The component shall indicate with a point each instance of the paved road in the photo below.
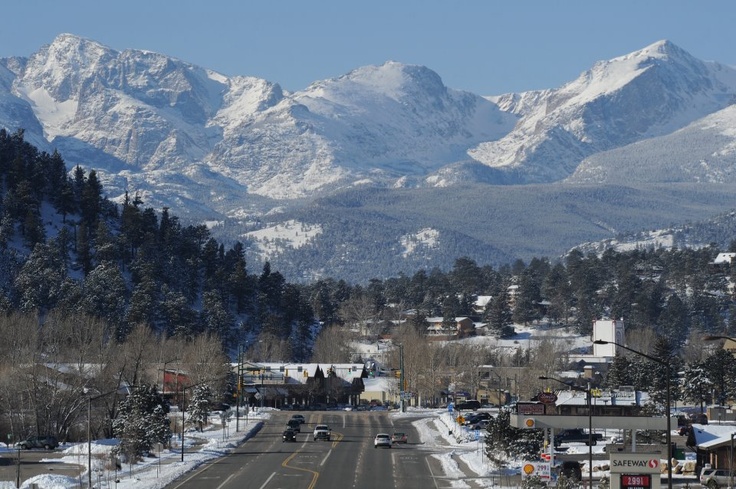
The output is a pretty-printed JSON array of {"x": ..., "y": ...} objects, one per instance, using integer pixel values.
[{"x": 349, "y": 460}]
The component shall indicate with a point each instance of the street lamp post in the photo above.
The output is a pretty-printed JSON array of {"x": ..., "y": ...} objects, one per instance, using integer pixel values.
[
  {"x": 668, "y": 436},
  {"x": 402, "y": 393},
  {"x": 730, "y": 463},
  {"x": 238, "y": 388},
  {"x": 590, "y": 422},
  {"x": 89, "y": 430}
]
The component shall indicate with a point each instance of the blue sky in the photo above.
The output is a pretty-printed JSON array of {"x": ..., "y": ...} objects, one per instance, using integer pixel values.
[{"x": 484, "y": 46}]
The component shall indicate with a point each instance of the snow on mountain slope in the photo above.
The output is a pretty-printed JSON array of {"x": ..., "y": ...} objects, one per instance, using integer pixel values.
[
  {"x": 644, "y": 94},
  {"x": 702, "y": 152},
  {"x": 138, "y": 112},
  {"x": 376, "y": 124},
  {"x": 209, "y": 145}
]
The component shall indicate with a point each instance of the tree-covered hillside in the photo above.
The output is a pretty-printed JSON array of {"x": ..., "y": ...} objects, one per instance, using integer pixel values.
[{"x": 64, "y": 247}]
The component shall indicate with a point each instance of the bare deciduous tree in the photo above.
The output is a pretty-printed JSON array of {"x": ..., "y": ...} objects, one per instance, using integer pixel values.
[{"x": 332, "y": 346}]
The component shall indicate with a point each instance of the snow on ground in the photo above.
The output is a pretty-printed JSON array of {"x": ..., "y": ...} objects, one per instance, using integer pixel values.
[
  {"x": 152, "y": 472},
  {"x": 459, "y": 452}
]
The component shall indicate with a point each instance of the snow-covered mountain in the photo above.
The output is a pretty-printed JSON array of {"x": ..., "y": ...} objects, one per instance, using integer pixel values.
[
  {"x": 640, "y": 96},
  {"x": 150, "y": 122},
  {"x": 239, "y": 148}
]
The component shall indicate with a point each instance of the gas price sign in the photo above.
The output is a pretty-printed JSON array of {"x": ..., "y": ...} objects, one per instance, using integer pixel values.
[{"x": 636, "y": 481}]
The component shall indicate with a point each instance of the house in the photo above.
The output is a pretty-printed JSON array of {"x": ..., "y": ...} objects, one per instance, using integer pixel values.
[
  {"x": 462, "y": 327},
  {"x": 481, "y": 302},
  {"x": 380, "y": 389},
  {"x": 713, "y": 444},
  {"x": 724, "y": 259}
]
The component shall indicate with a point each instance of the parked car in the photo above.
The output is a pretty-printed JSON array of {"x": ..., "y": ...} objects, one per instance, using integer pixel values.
[
  {"x": 399, "y": 437},
  {"x": 714, "y": 478},
  {"x": 47, "y": 442},
  {"x": 480, "y": 425},
  {"x": 382, "y": 440},
  {"x": 576, "y": 435},
  {"x": 475, "y": 418},
  {"x": 289, "y": 435},
  {"x": 469, "y": 405}
]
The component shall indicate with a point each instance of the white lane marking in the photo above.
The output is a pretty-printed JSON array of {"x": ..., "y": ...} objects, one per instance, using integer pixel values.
[{"x": 268, "y": 480}]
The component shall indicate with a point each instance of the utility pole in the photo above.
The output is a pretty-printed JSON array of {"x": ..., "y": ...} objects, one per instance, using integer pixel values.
[
  {"x": 238, "y": 388},
  {"x": 402, "y": 392}
]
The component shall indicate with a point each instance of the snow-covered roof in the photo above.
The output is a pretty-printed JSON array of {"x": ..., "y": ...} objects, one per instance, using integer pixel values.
[
  {"x": 300, "y": 372},
  {"x": 722, "y": 258},
  {"x": 712, "y": 435},
  {"x": 606, "y": 398},
  {"x": 380, "y": 384}
]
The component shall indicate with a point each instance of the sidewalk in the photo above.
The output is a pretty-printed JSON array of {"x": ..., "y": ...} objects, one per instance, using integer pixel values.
[{"x": 152, "y": 472}]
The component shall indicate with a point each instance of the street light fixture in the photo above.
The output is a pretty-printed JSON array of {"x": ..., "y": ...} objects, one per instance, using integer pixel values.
[
  {"x": 668, "y": 436},
  {"x": 590, "y": 422}
]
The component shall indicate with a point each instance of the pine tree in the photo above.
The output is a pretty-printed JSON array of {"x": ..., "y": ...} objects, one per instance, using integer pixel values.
[
  {"x": 720, "y": 369},
  {"x": 695, "y": 385},
  {"x": 526, "y": 308},
  {"x": 141, "y": 422},
  {"x": 199, "y": 406},
  {"x": 498, "y": 315},
  {"x": 40, "y": 279}
]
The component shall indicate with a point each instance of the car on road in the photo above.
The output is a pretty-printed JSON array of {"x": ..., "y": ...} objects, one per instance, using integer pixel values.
[
  {"x": 382, "y": 440},
  {"x": 295, "y": 425},
  {"x": 714, "y": 478},
  {"x": 322, "y": 432},
  {"x": 289, "y": 435},
  {"x": 47, "y": 442},
  {"x": 399, "y": 437},
  {"x": 300, "y": 418}
]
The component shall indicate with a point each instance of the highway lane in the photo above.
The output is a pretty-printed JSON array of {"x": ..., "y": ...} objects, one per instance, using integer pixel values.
[{"x": 349, "y": 460}]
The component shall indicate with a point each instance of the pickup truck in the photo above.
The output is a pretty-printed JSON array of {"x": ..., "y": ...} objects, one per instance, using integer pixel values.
[
  {"x": 322, "y": 432},
  {"x": 576, "y": 436}
]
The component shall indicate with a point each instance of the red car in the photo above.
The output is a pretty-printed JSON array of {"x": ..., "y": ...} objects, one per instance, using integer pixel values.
[{"x": 399, "y": 437}]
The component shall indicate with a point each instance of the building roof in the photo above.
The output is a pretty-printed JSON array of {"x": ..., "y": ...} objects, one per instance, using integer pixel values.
[
  {"x": 713, "y": 435},
  {"x": 602, "y": 397}
]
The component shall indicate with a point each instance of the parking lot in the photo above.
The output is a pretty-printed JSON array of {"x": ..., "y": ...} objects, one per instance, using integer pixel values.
[{"x": 23, "y": 464}]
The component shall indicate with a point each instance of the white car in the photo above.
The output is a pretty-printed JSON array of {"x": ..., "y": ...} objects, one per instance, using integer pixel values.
[
  {"x": 322, "y": 432},
  {"x": 382, "y": 440}
]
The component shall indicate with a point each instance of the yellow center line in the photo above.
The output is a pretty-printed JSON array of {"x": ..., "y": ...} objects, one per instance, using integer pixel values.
[
  {"x": 315, "y": 474},
  {"x": 339, "y": 437}
]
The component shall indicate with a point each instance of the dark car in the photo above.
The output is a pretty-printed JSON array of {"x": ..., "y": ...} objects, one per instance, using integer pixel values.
[
  {"x": 47, "y": 442},
  {"x": 289, "y": 435},
  {"x": 300, "y": 418},
  {"x": 295, "y": 425},
  {"x": 472, "y": 404}
]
